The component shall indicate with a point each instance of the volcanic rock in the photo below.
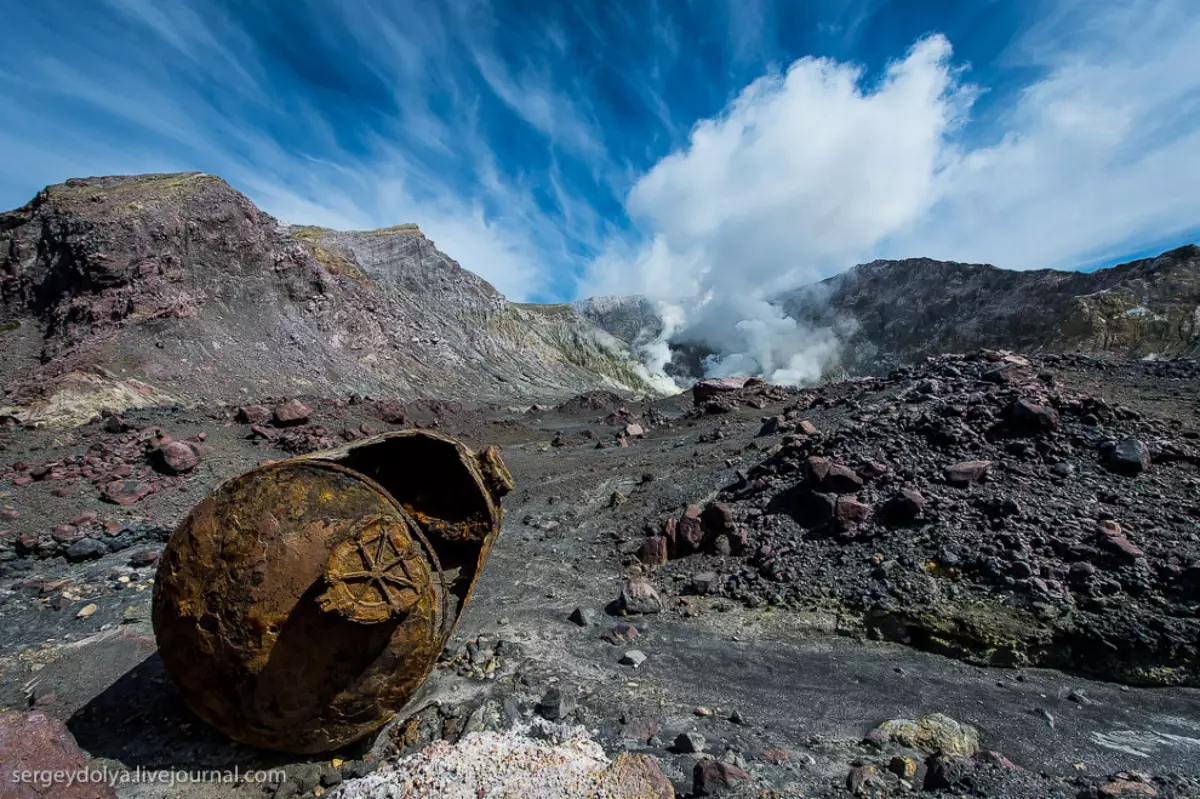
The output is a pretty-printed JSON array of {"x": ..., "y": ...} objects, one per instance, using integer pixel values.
[
  {"x": 33, "y": 743},
  {"x": 1027, "y": 417},
  {"x": 86, "y": 549},
  {"x": 125, "y": 492},
  {"x": 253, "y": 414},
  {"x": 555, "y": 705},
  {"x": 967, "y": 472},
  {"x": 905, "y": 507},
  {"x": 705, "y": 390},
  {"x": 176, "y": 457},
  {"x": 864, "y": 782},
  {"x": 653, "y": 551},
  {"x": 946, "y": 770},
  {"x": 638, "y": 596},
  {"x": 710, "y": 777},
  {"x": 584, "y": 617},
  {"x": 827, "y": 476},
  {"x": 848, "y": 511},
  {"x": 634, "y": 658},
  {"x": 689, "y": 531},
  {"x": 292, "y": 412},
  {"x": 1129, "y": 457},
  {"x": 932, "y": 733}
]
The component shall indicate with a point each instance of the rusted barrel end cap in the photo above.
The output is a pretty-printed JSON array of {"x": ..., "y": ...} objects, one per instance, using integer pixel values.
[{"x": 376, "y": 573}]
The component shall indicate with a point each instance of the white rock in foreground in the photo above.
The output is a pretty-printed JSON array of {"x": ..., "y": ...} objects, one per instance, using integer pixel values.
[{"x": 514, "y": 765}]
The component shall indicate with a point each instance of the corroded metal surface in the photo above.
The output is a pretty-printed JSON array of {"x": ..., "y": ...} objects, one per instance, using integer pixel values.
[
  {"x": 300, "y": 605},
  {"x": 376, "y": 573}
]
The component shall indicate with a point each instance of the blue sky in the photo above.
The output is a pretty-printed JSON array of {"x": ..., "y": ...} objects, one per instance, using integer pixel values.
[{"x": 679, "y": 149}]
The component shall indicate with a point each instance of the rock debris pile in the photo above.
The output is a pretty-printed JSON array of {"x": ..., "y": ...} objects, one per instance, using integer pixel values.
[{"x": 972, "y": 506}]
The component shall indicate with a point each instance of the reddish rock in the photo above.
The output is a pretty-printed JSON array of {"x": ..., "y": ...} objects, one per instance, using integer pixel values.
[
  {"x": 807, "y": 428},
  {"x": 633, "y": 430},
  {"x": 123, "y": 470},
  {"x": 946, "y": 770},
  {"x": 639, "y": 729},
  {"x": 710, "y": 777},
  {"x": 705, "y": 390},
  {"x": 65, "y": 534},
  {"x": 718, "y": 518},
  {"x": 995, "y": 758},
  {"x": 670, "y": 533},
  {"x": 125, "y": 492},
  {"x": 34, "y": 743},
  {"x": 1027, "y": 417},
  {"x": 84, "y": 518},
  {"x": 775, "y": 755},
  {"x": 904, "y": 508},
  {"x": 622, "y": 633},
  {"x": 689, "y": 531},
  {"x": 825, "y": 475},
  {"x": 639, "y": 596},
  {"x": 22, "y": 480},
  {"x": 1122, "y": 547},
  {"x": 61, "y": 491},
  {"x": 653, "y": 551},
  {"x": 389, "y": 412},
  {"x": 292, "y": 412},
  {"x": 176, "y": 458},
  {"x": 1003, "y": 375},
  {"x": 1125, "y": 789},
  {"x": 266, "y": 433},
  {"x": 967, "y": 472},
  {"x": 253, "y": 414},
  {"x": 848, "y": 511}
]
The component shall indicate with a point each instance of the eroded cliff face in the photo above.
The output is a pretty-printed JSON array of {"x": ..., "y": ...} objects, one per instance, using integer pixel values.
[{"x": 176, "y": 287}]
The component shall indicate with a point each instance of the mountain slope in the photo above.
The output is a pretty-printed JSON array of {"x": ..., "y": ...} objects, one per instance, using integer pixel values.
[
  {"x": 146, "y": 289},
  {"x": 892, "y": 313},
  {"x": 897, "y": 312}
]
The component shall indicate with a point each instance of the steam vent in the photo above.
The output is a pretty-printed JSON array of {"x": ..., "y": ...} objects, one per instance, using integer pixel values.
[{"x": 301, "y": 604}]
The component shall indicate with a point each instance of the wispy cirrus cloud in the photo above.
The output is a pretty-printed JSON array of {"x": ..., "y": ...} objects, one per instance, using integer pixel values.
[
  {"x": 808, "y": 171},
  {"x": 660, "y": 146}
]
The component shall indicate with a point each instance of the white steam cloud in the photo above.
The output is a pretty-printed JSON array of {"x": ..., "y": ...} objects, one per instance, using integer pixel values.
[
  {"x": 804, "y": 172},
  {"x": 808, "y": 172}
]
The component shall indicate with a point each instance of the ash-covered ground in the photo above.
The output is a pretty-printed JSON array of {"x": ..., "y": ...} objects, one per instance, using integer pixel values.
[{"x": 754, "y": 589}]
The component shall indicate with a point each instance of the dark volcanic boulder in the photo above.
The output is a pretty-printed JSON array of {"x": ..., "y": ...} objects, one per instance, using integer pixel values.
[
  {"x": 1027, "y": 418},
  {"x": 1129, "y": 457}
]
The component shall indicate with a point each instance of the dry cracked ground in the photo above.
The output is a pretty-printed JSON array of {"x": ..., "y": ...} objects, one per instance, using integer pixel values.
[{"x": 975, "y": 577}]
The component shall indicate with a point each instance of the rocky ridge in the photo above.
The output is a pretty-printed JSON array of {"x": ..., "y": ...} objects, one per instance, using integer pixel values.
[
  {"x": 157, "y": 289},
  {"x": 889, "y": 314},
  {"x": 893, "y": 313}
]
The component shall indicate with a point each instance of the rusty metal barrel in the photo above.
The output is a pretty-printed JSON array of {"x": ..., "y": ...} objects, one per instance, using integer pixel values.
[{"x": 300, "y": 605}]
